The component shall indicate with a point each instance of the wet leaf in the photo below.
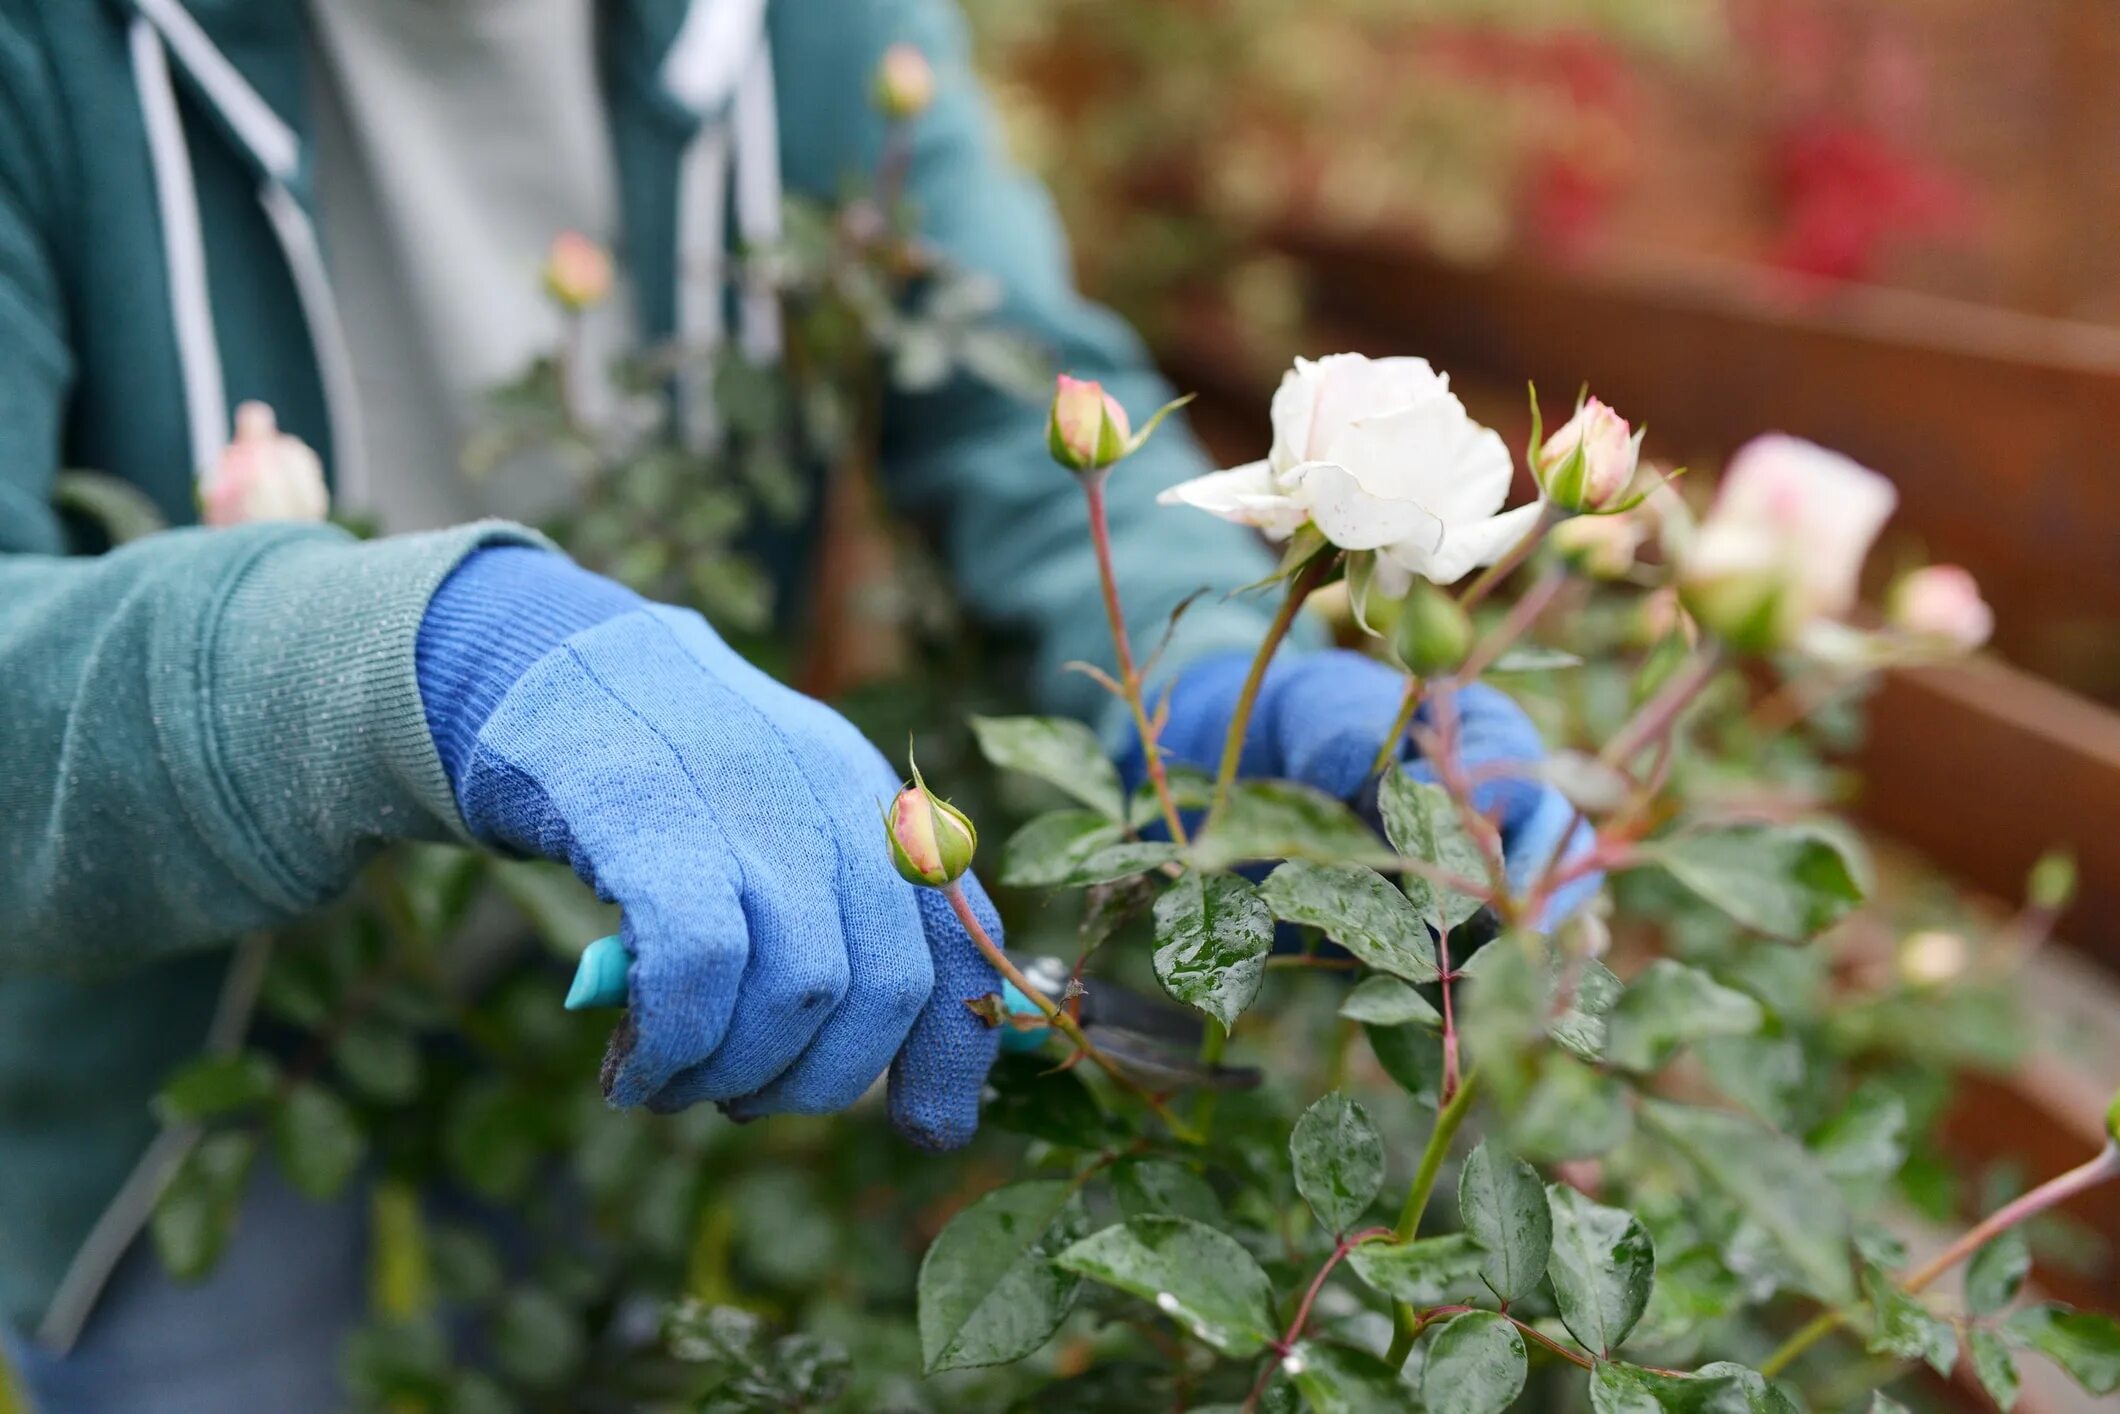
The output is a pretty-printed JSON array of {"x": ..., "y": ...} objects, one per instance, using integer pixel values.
[
  {"x": 1201, "y": 1278},
  {"x": 2084, "y": 1343},
  {"x": 1213, "y": 933},
  {"x": 1475, "y": 1365},
  {"x": 1907, "y": 1328},
  {"x": 1503, "y": 1205},
  {"x": 1787, "y": 881},
  {"x": 1386, "y": 1001},
  {"x": 316, "y": 1141},
  {"x": 1602, "y": 1267},
  {"x": 1284, "y": 820},
  {"x": 1339, "y": 1161},
  {"x": 1997, "y": 1272},
  {"x": 988, "y": 1290},
  {"x": 1058, "y": 750},
  {"x": 1429, "y": 1271},
  {"x": 1357, "y": 908},
  {"x": 1336, "y": 1379},
  {"x": 1422, "y": 823},
  {"x": 1150, "y": 1186},
  {"x": 1668, "y": 1005}
]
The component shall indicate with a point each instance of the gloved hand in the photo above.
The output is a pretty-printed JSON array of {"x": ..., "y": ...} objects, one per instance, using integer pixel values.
[
  {"x": 779, "y": 962},
  {"x": 1320, "y": 718}
]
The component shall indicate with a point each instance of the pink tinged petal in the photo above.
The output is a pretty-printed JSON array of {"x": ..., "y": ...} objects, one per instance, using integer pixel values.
[
  {"x": 1352, "y": 518},
  {"x": 1826, "y": 509}
]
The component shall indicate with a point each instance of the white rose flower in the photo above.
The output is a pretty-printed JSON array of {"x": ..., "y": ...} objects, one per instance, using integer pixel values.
[
  {"x": 1377, "y": 454},
  {"x": 264, "y": 474},
  {"x": 1942, "y": 604},
  {"x": 1782, "y": 547}
]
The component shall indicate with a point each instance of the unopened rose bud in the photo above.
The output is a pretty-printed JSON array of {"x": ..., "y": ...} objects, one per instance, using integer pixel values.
[
  {"x": 1086, "y": 430},
  {"x": 932, "y": 841},
  {"x": 1932, "y": 957},
  {"x": 1434, "y": 634},
  {"x": 264, "y": 474},
  {"x": 1661, "y": 615},
  {"x": 1941, "y": 604},
  {"x": 905, "y": 82},
  {"x": 1601, "y": 547},
  {"x": 1783, "y": 545},
  {"x": 1589, "y": 462},
  {"x": 577, "y": 272}
]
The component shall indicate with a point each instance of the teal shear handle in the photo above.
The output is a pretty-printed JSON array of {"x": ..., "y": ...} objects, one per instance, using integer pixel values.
[{"x": 600, "y": 981}]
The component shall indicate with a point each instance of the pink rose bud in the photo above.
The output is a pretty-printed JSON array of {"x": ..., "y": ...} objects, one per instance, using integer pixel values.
[
  {"x": 905, "y": 82},
  {"x": 1087, "y": 430},
  {"x": 1942, "y": 604},
  {"x": 1784, "y": 543},
  {"x": 1588, "y": 463},
  {"x": 577, "y": 272},
  {"x": 932, "y": 841},
  {"x": 264, "y": 474}
]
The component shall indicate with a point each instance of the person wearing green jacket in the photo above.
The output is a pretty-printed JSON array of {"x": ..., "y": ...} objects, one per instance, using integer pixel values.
[
  {"x": 337, "y": 210},
  {"x": 332, "y": 209}
]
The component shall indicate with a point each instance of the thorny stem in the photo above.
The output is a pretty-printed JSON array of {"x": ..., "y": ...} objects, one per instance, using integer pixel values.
[
  {"x": 1299, "y": 588},
  {"x": 1444, "y": 977},
  {"x": 1065, "y": 1024},
  {"x": 1302, "y": 1317},
  {"x": 1447, "y": 1121},
  {"x": 1521, "y": 616},
  {"x": 2058, "y": 1189},
  {"x": 1122, "y": 644},
  {"x": 1659, "y": 712}
]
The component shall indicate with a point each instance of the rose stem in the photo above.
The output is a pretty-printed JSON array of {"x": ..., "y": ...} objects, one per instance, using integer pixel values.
[
  {"x": 1302, "y": 1317},
  {"x": 1659, "y": 712},
  {"x": 1122, "y": 644},
  {"x": 1388, "y": 750},
  {"x": 1501, "y": 569},
  {"x": 1299, "y": 588},
  {"x": 1522, "y": 614},
  {"x": 2057, "y": 1189},
  {"x": 1060, "y": 1020},
  {"x": 1447, "y": 1120}
]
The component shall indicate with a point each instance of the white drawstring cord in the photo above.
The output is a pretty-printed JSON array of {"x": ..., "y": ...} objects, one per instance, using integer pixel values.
[
  {"x": 183, "y": 251},
  {"x": 278, "y": 152}
]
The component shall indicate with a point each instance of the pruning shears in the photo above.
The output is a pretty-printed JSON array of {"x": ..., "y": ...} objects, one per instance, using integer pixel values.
[{"x": 1157, "y": 1041}]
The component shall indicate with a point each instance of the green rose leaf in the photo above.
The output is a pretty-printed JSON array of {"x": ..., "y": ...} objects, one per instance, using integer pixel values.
[
  {"x": 197, "y": 1210},
  {"x": 536, "y": 1339},
  {"x": 1339, "y": 1161},
  {"x": 1284, "y": 820},
  {"x": 1994, "y": 1366},
  {"x": 1777, "y": 1183},
  {"x": 1412, "y": 1056},
  {"x": 1907, "y": 1328},
  {"x": 1721, "y": 1388},
  {"x": 1503, "y": 1205},
  {"x": 380, "y": 1060},
  {"x": 2085, "y": 1344},
  {"x": 1149, "y": 1186},
  {"x": 1669, "y": 1005},
  {"x": 1570, "y": 1111},
  {"x": 1357, "y": 908},
  {"x": 1057, "y": 750},
  {"x": 216, "y": 1085},
  {"x": 1201, "y": 1278},
  {"x": 1787, "y": 881},
  {"x": 1386, "y": 1001},
  {"x": 1475, "y": 1365},
  {"x": 1335, "y": 1379},
  {"x": 1430, "y": 1271},
  {"x": 1602, "y": 1267},
  {"x": 1213, "y": 933},
  {"x": 988, "y": 1291},
  {"x": 1996, "y": 1273},
  {"x": 1422, "y": 823},
  {"x": 316, "y": 1141},
  {"x": 1049, "y": 848},
  {"x": 1863, "y": 1146}
]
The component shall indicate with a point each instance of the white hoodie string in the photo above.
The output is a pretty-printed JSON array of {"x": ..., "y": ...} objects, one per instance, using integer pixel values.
[
  {"x": 721, "y": 64},
  {"x": 278, "y": 152}
]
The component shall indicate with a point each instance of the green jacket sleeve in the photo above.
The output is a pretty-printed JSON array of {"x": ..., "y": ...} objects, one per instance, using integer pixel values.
[
  {"x": 971, "y": 458},
  {"x": 202, "y": 732}
]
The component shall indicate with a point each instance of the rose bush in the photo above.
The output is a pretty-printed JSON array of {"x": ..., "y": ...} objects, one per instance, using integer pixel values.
[{"x": 1417, "y": 1150}]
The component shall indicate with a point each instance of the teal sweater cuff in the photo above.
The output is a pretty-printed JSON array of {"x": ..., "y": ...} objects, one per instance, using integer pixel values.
[{"x": 304, "y": 696}]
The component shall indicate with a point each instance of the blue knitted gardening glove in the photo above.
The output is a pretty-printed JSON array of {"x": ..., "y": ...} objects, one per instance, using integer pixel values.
[
  {"x": 1320, "y": 718},
  {"x": 779, "y": 962}
]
